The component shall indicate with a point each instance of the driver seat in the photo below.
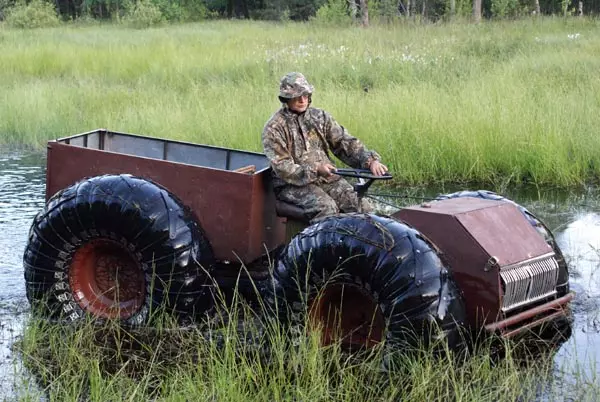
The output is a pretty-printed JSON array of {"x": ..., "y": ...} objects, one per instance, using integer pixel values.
[
  {"x": 296, "y": 219},
  {"x": 291, "y": 211}
]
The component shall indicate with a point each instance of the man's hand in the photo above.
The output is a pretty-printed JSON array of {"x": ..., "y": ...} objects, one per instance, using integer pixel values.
[
  {"x": 325, "y": 169},
  {"x": 378, "y": 168}
]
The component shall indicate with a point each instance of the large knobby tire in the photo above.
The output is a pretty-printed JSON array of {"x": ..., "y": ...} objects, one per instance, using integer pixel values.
[
  {"x": 116, "y": 247},
  {"x": 563, "y": 272},
  {"x": 384, "y": 277}
]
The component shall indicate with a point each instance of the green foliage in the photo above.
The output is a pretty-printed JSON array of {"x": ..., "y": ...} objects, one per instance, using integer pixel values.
[
  {"x": 464, "y": 8},
  {"x": 504, "y": 8},
  {"x": 564, "y": 6},
  {"x": 87, "y": 20},
  {"x": 334, "y": 12},
  {"x": 274, "y": 11},
  {"x": 302, "y": 10},
  {"x": 171, "y": 11},
  {"x": 188, "y": 10},
  {"x": 97, "y": 9},
  {"x": 144, "y": 14},
  {"x": 5, "y": 5},
  {"x": 383, "y": 10},
  {"x": 197, "y": 10},
  {"x": 37, "y": 14},
  {"x": 233, "y": 356},
  {"x": 283, "y": 10}
]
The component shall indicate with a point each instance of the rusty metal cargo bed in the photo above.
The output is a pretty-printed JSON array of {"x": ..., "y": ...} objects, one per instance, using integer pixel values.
[{"x": 227, "y": 189}]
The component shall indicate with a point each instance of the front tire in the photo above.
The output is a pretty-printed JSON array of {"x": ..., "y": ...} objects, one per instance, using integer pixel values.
[
  {"x": 116, "y": 247},
  {"x": 365, "y": 279}
]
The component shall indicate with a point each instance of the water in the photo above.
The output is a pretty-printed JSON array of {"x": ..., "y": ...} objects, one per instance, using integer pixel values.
[
  {"x": 574, "y": 218},
  {"x": 22, "y": 188}
]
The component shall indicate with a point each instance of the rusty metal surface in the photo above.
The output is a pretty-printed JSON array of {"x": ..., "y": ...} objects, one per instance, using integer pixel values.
[
  {"x": 502, "y": 231},
  {"x": 546, "y": 312},
  {"x": 236, "y": 210},
  {"x": 527, "y": 326},
  {"x": 469, "y": 231},
  {"x": 348, "y": 314},
  {"x": 169, "y": 150},
  {"x": 106, "y": 280}
]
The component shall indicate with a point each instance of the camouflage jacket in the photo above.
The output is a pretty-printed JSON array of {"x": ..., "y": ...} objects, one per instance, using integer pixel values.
[{"x": 296, "y": 143}]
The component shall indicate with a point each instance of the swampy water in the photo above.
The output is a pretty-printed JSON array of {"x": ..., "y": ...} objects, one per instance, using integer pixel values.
[{"x": 574, "y": 217}]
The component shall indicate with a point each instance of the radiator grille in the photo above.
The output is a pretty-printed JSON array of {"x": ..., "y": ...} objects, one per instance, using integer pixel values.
[{"x": 528, "y": 281}]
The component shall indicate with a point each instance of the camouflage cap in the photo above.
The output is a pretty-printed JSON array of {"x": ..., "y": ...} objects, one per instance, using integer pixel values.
[{"x": 293, "y": 85}]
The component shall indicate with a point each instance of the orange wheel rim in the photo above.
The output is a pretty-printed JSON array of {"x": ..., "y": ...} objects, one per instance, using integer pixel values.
[
  {"x": 106, "y": 280},
  {"x": 348, "y": 314}
]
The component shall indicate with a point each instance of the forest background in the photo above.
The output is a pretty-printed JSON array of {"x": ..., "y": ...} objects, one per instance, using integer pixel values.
[{"x": 331, "y": 11}]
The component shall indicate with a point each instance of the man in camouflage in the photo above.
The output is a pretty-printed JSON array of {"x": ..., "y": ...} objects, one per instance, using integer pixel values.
[{"x": 297, "y": 140}]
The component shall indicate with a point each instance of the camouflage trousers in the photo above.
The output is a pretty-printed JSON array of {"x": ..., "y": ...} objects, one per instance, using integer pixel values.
[{"x": 323, "y": 199}]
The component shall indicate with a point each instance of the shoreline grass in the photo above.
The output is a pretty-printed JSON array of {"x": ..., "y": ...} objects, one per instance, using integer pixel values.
[
  {"x": 212, "y": 362},
  {"x": 507, "y": 102}
]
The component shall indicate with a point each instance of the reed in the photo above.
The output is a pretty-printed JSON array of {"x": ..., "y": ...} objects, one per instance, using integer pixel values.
[
  {"x": 238, "y": 357},
  {"x": 507, "y": 102}
]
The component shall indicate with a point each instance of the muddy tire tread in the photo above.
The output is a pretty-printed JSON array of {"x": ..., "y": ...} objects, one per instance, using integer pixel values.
[
  {"x": 143, "y": 216},
  {"x": 392, "y": 261}
]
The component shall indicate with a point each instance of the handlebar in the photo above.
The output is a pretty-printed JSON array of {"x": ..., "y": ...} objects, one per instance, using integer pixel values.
[
  {"x": 362, "y": 187},
  {"x": 361, "y": 174}
]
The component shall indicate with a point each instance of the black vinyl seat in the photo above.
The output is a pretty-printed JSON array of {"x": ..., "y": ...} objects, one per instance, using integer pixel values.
[{"x": 292, "y": 211}]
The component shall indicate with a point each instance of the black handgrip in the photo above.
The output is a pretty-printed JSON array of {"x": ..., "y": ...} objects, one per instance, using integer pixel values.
[{"x": 361, "y": 174}]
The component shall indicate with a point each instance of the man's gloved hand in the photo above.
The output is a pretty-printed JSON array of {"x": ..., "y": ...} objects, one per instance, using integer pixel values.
[
  {"x": 325, "y": 169},
  {"x": 378, "y": 168}
]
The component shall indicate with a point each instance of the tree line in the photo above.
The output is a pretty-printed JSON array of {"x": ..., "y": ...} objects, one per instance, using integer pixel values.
[{"x": 357, "y": 11}]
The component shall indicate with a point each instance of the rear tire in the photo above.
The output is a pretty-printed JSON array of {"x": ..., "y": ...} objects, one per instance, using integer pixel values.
[
  {"x": 116, "y": 247},
  {"x": 384, "y": 277}
]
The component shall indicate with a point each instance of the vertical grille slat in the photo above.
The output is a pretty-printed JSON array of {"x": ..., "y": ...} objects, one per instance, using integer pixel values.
[
  {"x": 510, "y": 283},
  {"x": 537, "y": 287},
  {"x": 528, "y": 281}
]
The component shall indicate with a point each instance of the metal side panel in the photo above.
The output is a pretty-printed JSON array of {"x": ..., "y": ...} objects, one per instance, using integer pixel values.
[
  {"x": 504, "y": 233},
  {"x": 138, "y": 146},
  {"x": 498, "y": 259},
  {"x": 230, "y": 206},
  {"x": 197, "y": 155}
]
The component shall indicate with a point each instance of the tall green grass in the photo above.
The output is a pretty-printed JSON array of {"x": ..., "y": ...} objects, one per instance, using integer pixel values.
[
  {"x": 502, "y": 102},
  {"x": 262, "y": 361}
]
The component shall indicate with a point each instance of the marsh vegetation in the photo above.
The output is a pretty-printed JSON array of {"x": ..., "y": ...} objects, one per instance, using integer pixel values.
[
  {"x": 496, "y": 103},
  {"x": 245, "y": 358}
]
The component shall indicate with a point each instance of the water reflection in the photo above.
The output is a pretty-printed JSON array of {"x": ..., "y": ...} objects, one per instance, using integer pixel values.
[
  {"x": 22, "y": 184},
  {"x": 582, "y": 238},
  {"x": 581, "y": 355}
]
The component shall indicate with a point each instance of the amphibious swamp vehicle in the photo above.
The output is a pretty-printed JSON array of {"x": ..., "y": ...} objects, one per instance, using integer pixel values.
[{"x": 133, "y": 222}]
